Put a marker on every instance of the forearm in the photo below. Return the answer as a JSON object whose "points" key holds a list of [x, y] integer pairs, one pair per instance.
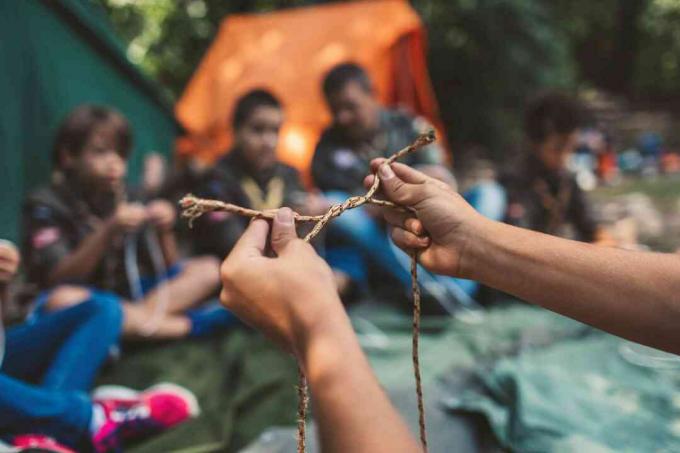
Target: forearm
{"points": [[352, 411], [83, 261], [632, 294], [168, 247]]}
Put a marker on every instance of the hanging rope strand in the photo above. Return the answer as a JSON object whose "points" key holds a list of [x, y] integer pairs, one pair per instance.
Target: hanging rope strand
{"points": [[193, 207]]}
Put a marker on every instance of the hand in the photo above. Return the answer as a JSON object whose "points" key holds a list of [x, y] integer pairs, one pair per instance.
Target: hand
{"points": [[289, 298], [9, 262], [162, 214], [129, 216], [442, 222]]}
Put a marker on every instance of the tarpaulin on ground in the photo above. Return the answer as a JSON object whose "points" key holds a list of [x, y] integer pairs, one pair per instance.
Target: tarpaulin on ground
{"points": [[54, 55], [544, 382], [288, 52]]}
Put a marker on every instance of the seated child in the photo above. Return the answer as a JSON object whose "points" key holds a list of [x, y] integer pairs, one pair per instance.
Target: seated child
{"points": [[87, 235], [48, 368], [250, 175]]}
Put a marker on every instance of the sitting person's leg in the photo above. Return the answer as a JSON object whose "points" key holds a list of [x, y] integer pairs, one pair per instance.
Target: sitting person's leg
{"points": [[359, 229], [189, 284], [74, 419], [63, 415], [63, 350]]}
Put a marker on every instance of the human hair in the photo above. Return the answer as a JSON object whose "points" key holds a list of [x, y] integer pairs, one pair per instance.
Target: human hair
{"points": [[552, 112], [339, 76], [249, 102], [76, 128]]}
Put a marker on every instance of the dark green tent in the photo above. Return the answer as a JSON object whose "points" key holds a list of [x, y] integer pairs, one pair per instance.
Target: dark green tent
{"points": [[54, 55]]}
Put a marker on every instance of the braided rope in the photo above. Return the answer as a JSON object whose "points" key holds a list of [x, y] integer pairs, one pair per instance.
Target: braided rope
{"points": [[193, 207]]}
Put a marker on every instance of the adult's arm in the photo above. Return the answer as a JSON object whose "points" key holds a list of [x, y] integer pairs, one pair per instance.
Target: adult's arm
{"points": [[635, 295], [292, 299]]}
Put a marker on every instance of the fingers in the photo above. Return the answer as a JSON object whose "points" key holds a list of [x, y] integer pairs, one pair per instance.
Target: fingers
{"points": [[399, 191], [406, 240], [253, 240], [283, 230], [404, 172], [404, 220]]}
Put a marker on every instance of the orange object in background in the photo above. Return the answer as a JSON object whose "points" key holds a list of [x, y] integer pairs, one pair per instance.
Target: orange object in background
{"points": [[289, 53]]}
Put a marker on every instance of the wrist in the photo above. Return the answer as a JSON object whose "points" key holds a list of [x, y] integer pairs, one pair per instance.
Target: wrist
{"points": [[326, 324], [477, 238]]}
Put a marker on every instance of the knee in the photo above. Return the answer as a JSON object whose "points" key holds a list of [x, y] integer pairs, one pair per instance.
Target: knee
{"points": [[204, 269], [105, 306], [67, 296]]}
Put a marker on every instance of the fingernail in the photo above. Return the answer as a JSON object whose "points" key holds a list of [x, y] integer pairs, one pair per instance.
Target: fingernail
{"points": [[285, 215], [385, 171]]}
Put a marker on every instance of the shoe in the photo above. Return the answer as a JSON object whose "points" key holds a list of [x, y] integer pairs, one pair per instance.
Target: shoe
{"points": [[38, 442], [129, 414]]}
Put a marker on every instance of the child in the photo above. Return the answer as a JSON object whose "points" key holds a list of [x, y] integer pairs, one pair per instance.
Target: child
{"points": [[48, 368], [250, 175], [86, 235], [542, 194]]}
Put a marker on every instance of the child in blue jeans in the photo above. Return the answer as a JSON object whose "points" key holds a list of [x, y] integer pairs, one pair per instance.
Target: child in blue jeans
{"points": [[48, 368]]}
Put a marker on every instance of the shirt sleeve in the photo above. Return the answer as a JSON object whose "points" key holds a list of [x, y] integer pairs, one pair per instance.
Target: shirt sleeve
{"points": [[45, 241]]}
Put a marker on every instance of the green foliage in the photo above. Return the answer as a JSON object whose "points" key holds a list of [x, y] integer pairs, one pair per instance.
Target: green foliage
{"points": [[657, 71], [486, 56]]}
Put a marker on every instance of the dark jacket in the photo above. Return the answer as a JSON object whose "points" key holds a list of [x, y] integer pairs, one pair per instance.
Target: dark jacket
{"points": [[340, 164], [547, 201], [56, 219], [232, 181]]}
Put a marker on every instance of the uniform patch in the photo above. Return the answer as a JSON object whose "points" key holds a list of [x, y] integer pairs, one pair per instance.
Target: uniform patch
{"points": [[344, 158], [45, 236]]}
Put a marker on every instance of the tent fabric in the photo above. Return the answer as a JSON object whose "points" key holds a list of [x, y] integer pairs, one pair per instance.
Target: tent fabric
{"points": [[55, 55], [288, 53]]}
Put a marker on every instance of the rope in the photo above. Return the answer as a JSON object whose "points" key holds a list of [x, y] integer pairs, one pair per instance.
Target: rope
{"points": [[193, 207]]}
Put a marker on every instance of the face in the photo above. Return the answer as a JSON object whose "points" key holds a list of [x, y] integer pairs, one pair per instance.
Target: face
{"points": [[556, 149], [99, 165], [355, 111], [258, 137]]}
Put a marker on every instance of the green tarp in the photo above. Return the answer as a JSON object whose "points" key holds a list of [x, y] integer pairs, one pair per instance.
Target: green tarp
{"points": [[54, 55], [544, 383]]}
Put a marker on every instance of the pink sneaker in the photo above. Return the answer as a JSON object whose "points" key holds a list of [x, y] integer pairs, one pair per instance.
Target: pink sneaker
{"points": [[134, 415], [38, 441]]}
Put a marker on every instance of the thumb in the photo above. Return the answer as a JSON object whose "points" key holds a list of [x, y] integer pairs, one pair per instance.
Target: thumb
{"points": [[283, 229], [398, 191]]}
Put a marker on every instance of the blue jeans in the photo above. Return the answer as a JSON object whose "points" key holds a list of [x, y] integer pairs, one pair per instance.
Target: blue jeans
{"points": [[363, 239], [49, 367]]}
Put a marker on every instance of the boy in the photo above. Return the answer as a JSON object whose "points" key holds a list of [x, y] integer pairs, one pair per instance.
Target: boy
{"points": [[250, 175], [83, 235], [48, 368], [542, 194]]}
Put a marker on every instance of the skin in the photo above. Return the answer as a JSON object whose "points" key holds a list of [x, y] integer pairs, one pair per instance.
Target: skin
{"points": [[291, 297], [258, 137], [556, 149], [9, 265], [101, 169], [356, 111]]}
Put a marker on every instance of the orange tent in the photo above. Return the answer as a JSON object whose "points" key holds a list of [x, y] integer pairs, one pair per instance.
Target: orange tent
{"points": [[288, 53]]}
